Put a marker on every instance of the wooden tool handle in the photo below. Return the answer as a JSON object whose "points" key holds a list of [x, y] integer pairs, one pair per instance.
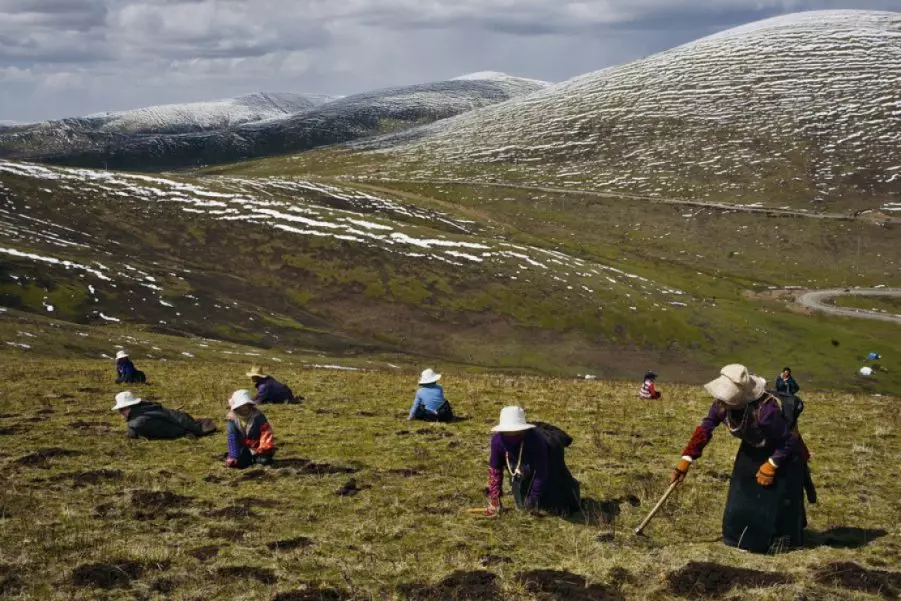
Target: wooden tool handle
{"points": [[657, 507]]}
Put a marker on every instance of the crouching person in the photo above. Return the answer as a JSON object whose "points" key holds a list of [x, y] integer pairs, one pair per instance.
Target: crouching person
{"points": [[126, 372], [153, 421], [533, 455], [429, 404], [250, 439], [765, 504]]}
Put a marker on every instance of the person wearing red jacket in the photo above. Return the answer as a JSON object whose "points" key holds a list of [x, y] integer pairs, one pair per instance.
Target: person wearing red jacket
{"points": [[250, 436]]}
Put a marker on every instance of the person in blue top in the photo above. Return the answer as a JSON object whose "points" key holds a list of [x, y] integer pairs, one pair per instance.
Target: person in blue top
{"points": [[430, 404], [126, 372], [270, 390], [786, 383]]}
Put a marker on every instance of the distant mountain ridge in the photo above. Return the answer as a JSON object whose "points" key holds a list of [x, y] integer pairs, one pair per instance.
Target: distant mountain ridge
{"points": [[803, 107], [131, 141]]}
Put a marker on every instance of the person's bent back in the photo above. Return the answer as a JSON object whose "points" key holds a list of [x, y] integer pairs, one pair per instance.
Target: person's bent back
{"points": [[153, 421], [270, 390], [126, 372]]}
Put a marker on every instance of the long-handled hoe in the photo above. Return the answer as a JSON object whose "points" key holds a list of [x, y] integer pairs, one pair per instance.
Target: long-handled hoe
{"points": [[657, 507]]}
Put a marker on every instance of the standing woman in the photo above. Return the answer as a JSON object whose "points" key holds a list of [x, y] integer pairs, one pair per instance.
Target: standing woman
{"points": [[126, 372], [765, 504]]}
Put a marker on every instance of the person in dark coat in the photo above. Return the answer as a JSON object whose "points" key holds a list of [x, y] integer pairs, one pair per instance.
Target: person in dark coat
{"points": [[250, 436], [126, 372], [786, 383], [270, 390], [429, 403], [153, 421], [765, 504], [533, 455]]}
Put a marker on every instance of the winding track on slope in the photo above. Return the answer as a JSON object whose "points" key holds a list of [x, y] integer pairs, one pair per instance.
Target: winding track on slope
{"points": [[814, 300], [598, 194]]}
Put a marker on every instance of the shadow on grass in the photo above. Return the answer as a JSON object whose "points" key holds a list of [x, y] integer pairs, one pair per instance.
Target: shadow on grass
{"points": [[843, 537], [600, 512]]}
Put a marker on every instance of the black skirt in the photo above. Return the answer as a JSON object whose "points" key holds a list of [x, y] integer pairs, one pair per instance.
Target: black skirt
{"points": [[763, 519]]}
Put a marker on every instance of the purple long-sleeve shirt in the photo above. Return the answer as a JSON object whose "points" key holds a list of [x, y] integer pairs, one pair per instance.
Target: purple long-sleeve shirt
{"points": [[534, 455], [764, 427]]}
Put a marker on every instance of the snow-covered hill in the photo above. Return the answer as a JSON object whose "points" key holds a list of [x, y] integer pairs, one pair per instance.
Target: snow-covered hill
{"points": [[795, 108], [340, 120]]}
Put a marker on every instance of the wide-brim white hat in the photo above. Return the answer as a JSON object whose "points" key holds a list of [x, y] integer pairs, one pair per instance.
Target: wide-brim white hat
{"points": [[125, 399], [121, 355], [735, 386], [513, 419], [239, 398], [429, 377]]}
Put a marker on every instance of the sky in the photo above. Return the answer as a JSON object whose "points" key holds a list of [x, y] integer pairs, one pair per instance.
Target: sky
{"points": [[63, 58]]}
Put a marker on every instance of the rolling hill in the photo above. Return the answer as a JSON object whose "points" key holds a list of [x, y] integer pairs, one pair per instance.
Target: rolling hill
{"points": [[796, 110], [115, 142]]}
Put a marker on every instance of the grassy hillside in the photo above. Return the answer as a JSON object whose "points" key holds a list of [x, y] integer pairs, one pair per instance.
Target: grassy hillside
{"points": [[120, 519], [487, 276]]}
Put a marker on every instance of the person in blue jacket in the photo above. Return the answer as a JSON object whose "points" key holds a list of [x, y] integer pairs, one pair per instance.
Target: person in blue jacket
{"points": [[429, 404], [270, 390], [126, 372], [786, 383]]}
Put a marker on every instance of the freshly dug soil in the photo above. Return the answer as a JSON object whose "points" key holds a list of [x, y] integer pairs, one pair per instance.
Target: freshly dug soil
{"points": [[712, 580], [264, 575], [113, 574], [461, 585], [312, 592], [156, 500], [42, 457], [205, 552], [289, 544], [850, 575], [558, 584]]}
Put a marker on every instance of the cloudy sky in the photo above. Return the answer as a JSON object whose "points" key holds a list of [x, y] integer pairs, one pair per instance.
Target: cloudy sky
{"points": [[73, 57]]}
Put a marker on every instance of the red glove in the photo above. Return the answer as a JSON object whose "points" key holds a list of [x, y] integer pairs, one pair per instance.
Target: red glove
{"points": [[494, 508], [766, 474]]}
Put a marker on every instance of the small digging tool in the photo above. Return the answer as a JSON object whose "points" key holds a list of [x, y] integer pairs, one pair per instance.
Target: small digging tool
{"points": [[657, 507]]}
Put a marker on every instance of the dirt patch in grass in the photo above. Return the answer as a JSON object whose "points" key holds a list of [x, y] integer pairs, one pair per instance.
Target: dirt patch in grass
{"points": [[706, 579], [850, 575], [232, 511], [102, 510], [406, 472], [88, 478], [402, 432], [435, 433], [205, 552], [458, 586], [255, 475], [350, 488], [289, 544], [14, 430], [308, 467], [42, 457], [107, 575], [264, 575], [619, 576], [489, 560], [214, 479], [10, 582], [89, 389], [365, 414], [232, 534], [313, 592], [255, 502], [155, 500], [558, 584], [163, 585], [90, 428]]}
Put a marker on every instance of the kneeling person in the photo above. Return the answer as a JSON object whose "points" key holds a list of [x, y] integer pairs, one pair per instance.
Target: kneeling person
{"points": [[270, 390], [533, 455], [153, 421], [429, 404], [250, 439]]}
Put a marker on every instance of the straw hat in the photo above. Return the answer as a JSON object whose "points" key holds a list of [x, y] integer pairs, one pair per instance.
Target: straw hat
{"points": [[240, 398], [735, 386], [513, 419], [256, 372], [125, 399], [121, 355], [429, 377]]}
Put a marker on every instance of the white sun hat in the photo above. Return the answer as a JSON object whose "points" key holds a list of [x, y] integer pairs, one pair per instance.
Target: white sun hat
{"points": [[513, 419], [429, 377], [125, 399], [735, 386], [866, 371], [240, 398], [121, 355]]}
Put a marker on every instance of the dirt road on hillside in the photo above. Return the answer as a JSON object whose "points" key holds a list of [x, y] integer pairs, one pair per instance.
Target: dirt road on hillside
{"points": [[814, 300]]}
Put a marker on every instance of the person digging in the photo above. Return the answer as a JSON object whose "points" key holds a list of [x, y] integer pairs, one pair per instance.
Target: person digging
{"points": [[270, 390], [765, 504], [250, 436], [155, 422]]}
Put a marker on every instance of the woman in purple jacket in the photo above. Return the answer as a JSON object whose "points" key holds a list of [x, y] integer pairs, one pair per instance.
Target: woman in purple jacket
{"points": [[765, 504], [534, 460]]}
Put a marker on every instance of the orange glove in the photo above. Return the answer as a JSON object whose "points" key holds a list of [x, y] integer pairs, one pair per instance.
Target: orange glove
{"points": [[678, 474], [766, 474]]}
